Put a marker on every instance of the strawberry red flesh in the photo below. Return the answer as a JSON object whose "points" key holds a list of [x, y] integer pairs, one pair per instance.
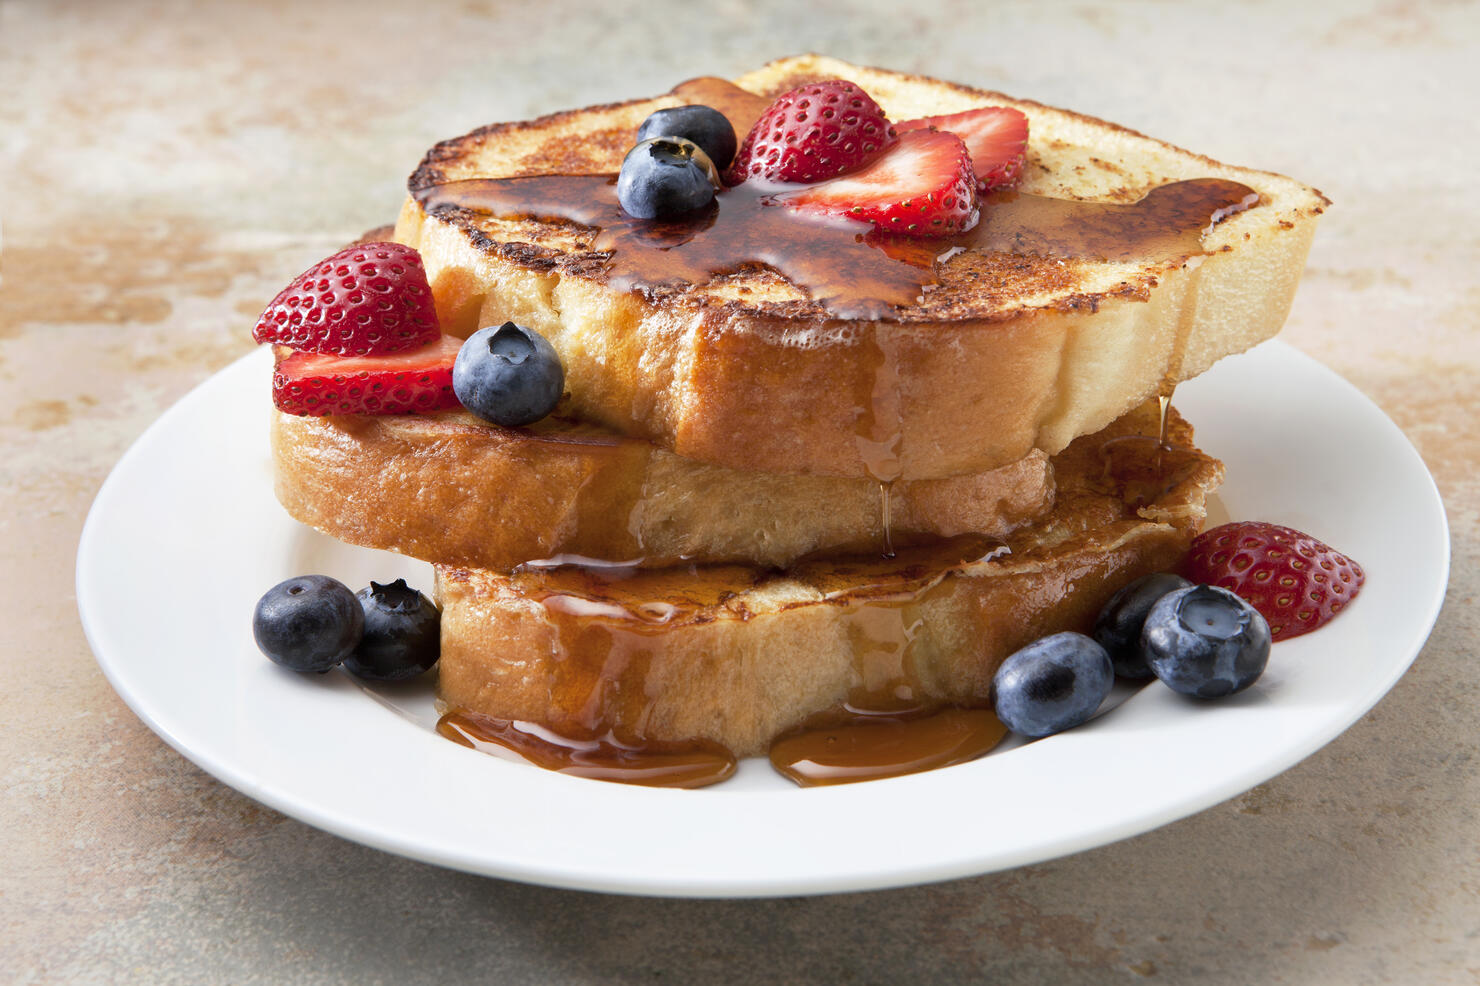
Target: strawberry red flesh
{"points": [[813, 133], [996, 137], [923, 186], [367, 299], [411, 382], [1295, 582]]}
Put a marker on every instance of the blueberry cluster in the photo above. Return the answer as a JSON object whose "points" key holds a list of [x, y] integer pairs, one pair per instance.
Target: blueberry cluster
{"points": [[314, 623], [675, 167], [1200, 640]]}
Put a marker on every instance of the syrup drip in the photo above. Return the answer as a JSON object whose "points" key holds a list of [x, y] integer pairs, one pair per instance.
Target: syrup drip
{"points": [[603, 758], [886, 518], [1144, 468], [864, 747]]}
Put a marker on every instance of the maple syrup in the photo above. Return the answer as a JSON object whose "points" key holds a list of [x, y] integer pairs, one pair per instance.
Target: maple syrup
{"points": [[603, 758], [842, 749], [851, 270], [609, 623]]}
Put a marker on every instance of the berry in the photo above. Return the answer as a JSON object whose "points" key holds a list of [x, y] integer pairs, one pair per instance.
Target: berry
{"points": [[1205, 641], [665, 177], [705, 126], [1052, 684], [813, 133], [1296, 582], [402, 633], [509, 375], [995, 136], [1118, 627], [412, 382], [923, 186], [367, 299], [308, 623]]}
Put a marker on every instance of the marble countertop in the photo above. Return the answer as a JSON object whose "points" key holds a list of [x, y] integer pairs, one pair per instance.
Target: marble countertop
{"points": [[166, 167]]}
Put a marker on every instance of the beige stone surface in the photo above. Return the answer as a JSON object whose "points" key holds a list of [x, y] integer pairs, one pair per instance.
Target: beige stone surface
{"points": [[165, 167]]}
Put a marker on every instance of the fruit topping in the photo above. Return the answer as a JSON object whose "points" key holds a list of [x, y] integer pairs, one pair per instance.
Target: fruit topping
{"points": [[1052, 684], [308, 623], [995, 136], [813, 133], [1205, 641], [705, 126], [509, 375], [1118, 627], [1295, 581], [413, 382], [923, 186], [364, 300], [665, 177], [402, 633]]}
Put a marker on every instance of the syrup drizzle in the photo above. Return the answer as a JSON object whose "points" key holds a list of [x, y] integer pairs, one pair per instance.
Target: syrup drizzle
{"points": [[850, 269]]}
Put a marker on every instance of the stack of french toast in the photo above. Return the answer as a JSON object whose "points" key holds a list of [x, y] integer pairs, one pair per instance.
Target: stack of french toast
{"points": [[769, 496]]}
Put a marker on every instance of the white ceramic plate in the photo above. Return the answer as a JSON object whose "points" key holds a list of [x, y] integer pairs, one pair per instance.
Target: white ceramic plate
{"points": [[185, 535]]}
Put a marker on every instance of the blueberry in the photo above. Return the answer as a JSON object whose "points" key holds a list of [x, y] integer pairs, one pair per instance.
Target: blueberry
{"points": [[1205, 641], [308, 623], [665, 177], [1118, 627], [508, 374], [402, 633], [705, 126], [1052, 684]]}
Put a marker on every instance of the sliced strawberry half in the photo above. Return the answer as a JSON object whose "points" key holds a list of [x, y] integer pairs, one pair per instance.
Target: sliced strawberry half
{"points": [[1296, 582], [812, 133], [996, 136], [365, 299], [922, 186], [412, 382]]}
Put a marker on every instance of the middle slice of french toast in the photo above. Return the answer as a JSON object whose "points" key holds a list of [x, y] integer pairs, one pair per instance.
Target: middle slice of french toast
{"points": [[455, 490]]}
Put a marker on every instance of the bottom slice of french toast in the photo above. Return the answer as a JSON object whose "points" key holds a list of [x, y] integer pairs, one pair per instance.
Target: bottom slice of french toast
{"points": [[739, 654]]}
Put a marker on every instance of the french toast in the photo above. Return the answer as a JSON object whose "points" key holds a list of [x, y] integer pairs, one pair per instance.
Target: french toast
{"points": [[737, 655], [995, 351], [459, 491], [687, 549]]}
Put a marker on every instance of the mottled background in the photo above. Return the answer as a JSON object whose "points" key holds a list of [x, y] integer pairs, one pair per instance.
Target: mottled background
{"points": [[165, 168]]}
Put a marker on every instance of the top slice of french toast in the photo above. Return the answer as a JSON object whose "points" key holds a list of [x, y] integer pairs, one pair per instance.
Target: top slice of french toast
{"points": [[1011, 341]]}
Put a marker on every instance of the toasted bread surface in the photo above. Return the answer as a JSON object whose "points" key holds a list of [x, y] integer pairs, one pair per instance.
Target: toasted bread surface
{"points": [[1006, 353], [453, 489], [738, 654]]}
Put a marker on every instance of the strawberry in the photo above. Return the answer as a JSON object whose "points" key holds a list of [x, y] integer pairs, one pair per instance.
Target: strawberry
{"points": [[813, 133], [410, 382], [923, 186], [996, 136], [1294, 581], [366, 299]]}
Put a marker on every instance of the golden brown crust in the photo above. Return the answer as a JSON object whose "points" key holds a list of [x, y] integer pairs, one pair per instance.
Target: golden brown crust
{"points": [[1007, 354], [737, 655]]}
